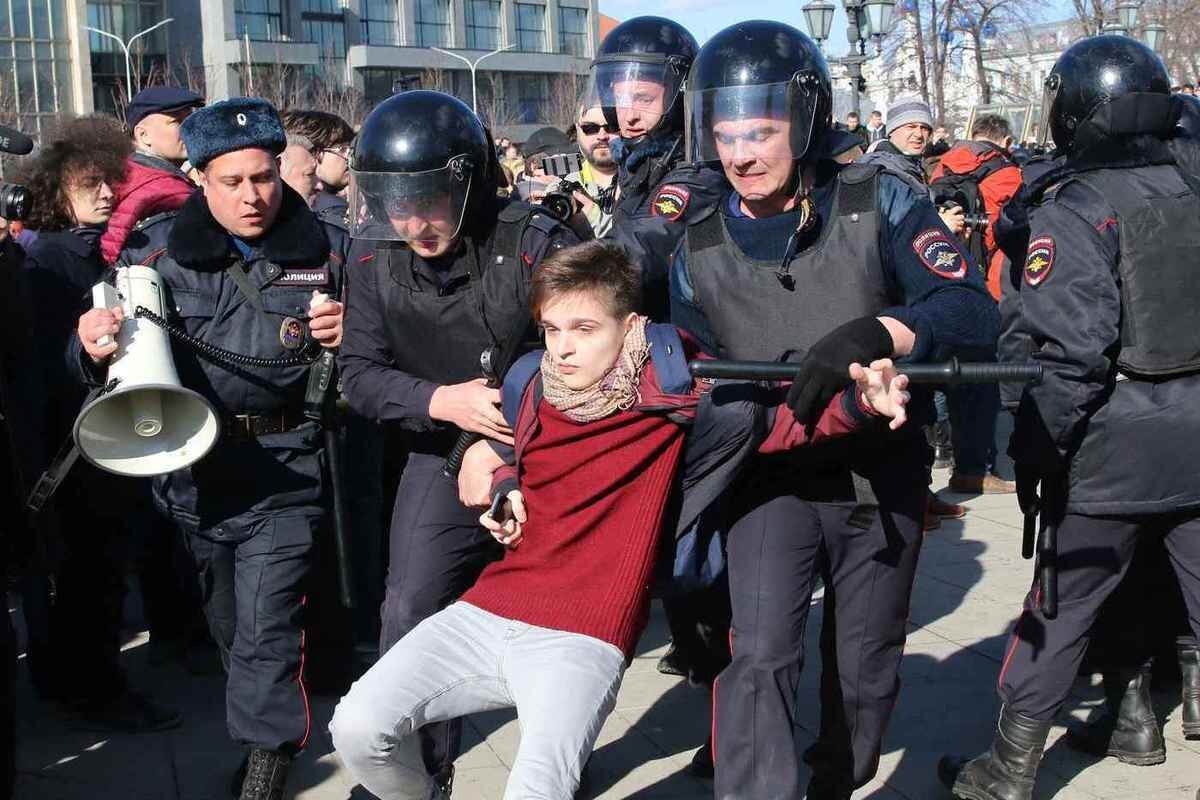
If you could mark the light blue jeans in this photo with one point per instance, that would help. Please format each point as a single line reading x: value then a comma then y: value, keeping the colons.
x: 463, y: 660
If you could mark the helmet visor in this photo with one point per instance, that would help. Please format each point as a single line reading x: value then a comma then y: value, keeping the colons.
x: 640, y: 92
x: 1046, y: 113
x: 409, y: 206
x: 769, y: 123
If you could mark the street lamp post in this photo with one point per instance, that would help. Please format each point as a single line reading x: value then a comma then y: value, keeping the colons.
x: 1127, y: 24
x: 866, y: 19
x: 125, y: 45
x: 472, y: 65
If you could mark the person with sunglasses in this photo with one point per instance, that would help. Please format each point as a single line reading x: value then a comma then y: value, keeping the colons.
x: 594, y: 135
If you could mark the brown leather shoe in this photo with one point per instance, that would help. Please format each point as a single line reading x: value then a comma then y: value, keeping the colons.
x: 940, y: 508
x: 981, y: 484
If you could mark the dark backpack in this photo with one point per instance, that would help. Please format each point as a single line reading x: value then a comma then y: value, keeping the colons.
x: 953, y: 188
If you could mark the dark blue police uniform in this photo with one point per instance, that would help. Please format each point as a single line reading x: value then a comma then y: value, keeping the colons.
x: 1118, y: 440
x: 658, y: 197
x: 750, y: 289
x: 250, y: 508
x: 412, y: 326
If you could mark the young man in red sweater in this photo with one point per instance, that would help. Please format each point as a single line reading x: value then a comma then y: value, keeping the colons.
x: 600, y: 420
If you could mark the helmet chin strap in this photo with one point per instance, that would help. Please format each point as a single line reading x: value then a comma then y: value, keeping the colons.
x: 808, y: 220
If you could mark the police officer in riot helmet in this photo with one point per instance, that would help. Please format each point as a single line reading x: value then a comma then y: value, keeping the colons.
x: 1107, y: 293
x: 637, y: 79
x: 826, y: 264
x: 439, y: 273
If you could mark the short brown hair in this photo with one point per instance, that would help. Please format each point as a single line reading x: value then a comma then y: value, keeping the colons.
x: 991, y: 126
x: 323, y: 129
x: 589, y: 267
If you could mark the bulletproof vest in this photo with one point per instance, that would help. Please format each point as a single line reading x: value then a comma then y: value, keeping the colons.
x: 1158, y: 271
x: 837, y: 279
x: 440, y: 336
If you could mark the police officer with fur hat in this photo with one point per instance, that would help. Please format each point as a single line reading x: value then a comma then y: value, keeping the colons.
x: 248, y: 271
x: 830, y: 264
x: 637, y: 78
x: 1107, y: 298
x: 438, y: 274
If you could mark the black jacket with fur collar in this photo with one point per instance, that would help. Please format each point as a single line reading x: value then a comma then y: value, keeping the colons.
x: 193, y: 254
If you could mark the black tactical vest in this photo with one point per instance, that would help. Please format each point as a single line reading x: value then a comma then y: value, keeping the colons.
x: 837, y: 279
x: 439, y: 336
x: 1158, y: 272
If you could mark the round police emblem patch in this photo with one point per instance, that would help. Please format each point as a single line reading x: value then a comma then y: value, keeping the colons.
x: 1039, y: 261
x: 938, y: 254
x: 291, y: 333
x: 670, y: 202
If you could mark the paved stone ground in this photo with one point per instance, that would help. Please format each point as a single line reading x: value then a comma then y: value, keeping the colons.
x: 971, y: 582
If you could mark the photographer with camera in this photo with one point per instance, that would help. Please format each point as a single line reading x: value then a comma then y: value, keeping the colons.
x: 979, y: 177
x: 595, y: 134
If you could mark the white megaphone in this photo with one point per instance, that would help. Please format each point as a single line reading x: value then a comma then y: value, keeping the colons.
x: 148, y: 424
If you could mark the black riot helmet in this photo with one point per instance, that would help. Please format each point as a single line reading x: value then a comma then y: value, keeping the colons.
x: 419, y: 153
x: 1106, y: 86
x: 758, y: 70
x: 636, y: 58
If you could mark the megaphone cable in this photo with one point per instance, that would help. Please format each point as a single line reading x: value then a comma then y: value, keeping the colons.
x: 306, y: 356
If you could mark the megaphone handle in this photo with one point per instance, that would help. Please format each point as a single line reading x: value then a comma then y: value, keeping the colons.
x: 105, y: 296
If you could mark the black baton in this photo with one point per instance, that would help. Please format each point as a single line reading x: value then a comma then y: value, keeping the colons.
x: 320, y: 406
x: 945, y: 372
x: 1047, y: 563
x: 1029, y: 534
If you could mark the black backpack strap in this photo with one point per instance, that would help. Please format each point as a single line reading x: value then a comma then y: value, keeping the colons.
x: 670, y: 362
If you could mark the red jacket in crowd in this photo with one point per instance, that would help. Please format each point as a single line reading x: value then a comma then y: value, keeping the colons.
x: 997, y: 187
x: 152, y: 185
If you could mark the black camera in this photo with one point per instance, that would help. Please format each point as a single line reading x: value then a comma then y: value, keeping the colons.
x: 15, y: 201
x: 561, y: 202
x: 976, y: 221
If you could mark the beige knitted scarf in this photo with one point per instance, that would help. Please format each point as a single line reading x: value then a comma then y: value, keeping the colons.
x: 616, y: 391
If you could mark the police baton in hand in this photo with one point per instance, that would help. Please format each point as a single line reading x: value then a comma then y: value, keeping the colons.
x: 320, y: 405
x: 944, y: 373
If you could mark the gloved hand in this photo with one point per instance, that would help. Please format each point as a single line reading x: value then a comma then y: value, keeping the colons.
x: 824, y: 370
x: 1028, y: 478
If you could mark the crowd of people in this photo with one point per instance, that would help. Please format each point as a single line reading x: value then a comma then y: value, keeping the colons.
x: 512, y: 326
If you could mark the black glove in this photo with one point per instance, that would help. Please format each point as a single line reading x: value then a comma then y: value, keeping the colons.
x: 1028, y: 478
x: 824, y: 370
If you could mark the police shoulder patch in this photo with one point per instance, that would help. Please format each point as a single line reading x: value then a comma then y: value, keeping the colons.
x: 1039, y: 261
x: 670, y: 202
x: 938, y: 253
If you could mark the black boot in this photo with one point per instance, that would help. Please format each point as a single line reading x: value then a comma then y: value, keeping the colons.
x: 1189, y: 665
x: 266, y: 774
x: 702, y: 762
x: 674, y: 662
x: 1008, y: 770
x: 1129, y: 731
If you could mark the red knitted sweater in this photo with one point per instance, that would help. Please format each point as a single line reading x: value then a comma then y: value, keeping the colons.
x: 596, y: 495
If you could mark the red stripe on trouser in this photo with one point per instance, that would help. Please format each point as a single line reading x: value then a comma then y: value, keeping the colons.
x: 1032, y: 601
x: 713, y: 729
x: 300, y: 683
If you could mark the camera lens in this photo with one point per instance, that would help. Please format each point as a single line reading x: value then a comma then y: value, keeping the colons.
x: 15, y: 201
